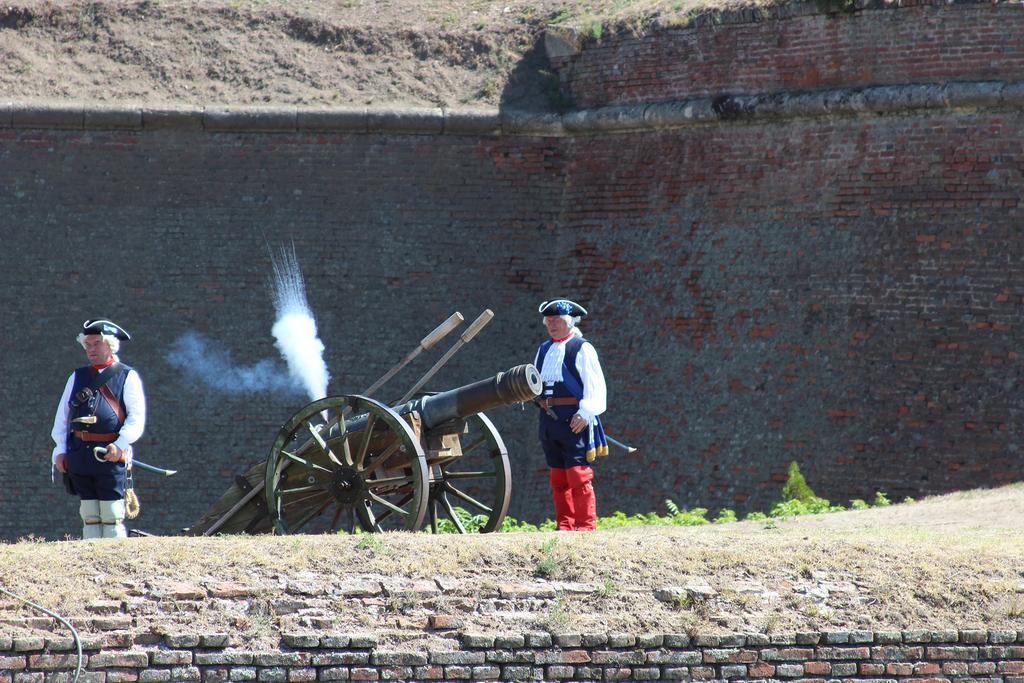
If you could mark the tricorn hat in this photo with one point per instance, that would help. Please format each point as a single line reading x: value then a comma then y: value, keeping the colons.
x: 102, y: 326
x: 562, y: 307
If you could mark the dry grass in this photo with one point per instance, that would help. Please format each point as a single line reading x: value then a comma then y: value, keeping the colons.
x: 952, y: 561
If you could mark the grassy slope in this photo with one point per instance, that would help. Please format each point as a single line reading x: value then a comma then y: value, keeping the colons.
x: 952, y: 561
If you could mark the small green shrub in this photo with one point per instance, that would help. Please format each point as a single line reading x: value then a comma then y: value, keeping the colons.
x: 607, y: 588
x: 558, y: 614
x: 794, y: 508
x: 676, y: 517
x: 548, y: 566
x: 470, y: 522
x: 725, y: 516
x: 490, y: 87
x: 682, y: 600
x: 796, y: 487
x: 371, y: 543
x: 560, y: 17
x: 881, y: 500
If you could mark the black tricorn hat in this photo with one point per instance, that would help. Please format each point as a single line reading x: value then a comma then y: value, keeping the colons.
x: 102, y: 326
x: 562, y: 307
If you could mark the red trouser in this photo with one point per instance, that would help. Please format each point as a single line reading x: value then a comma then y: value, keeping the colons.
x: 575, y: 504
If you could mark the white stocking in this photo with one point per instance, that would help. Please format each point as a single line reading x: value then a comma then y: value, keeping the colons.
x: 112, y: 514
x: 89, y: 511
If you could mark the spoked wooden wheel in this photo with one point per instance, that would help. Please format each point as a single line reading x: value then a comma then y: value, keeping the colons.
x: 479, y: 480
x: 343, y: 462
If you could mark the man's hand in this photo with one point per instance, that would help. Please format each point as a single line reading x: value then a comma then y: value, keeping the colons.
x: 61, y: 463
x: 577, y: 424
x: 114, y: 454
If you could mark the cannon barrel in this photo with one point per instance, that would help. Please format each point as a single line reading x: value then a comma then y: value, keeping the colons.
x: 521, y: 383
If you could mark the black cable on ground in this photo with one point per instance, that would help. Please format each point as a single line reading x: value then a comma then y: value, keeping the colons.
x: 74, y: 633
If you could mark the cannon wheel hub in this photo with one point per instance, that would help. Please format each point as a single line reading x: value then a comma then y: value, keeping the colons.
x: 348, y: 486
x: 353, y: 454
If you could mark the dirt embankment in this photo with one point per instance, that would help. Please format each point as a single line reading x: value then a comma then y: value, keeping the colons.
x: 355, y: 53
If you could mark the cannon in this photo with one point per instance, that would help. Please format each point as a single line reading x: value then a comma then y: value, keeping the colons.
x: 351, y: 462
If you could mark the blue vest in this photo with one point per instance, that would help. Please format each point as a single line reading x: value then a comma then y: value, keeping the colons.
x: 571, y: 384
x: 80, y: 456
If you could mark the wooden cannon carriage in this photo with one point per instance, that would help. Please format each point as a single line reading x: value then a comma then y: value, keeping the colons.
x: 352, y: 462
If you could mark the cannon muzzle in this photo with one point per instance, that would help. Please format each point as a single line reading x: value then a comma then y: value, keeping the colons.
x: 521, y: 383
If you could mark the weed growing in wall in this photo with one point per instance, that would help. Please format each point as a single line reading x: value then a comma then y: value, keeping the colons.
x: 548, y: 566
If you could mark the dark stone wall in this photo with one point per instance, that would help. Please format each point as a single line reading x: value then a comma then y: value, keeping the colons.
x: 168, y: 233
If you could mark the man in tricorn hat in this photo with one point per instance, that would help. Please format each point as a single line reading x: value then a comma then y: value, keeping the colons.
x: 103, y: 405
x: 570, y: 429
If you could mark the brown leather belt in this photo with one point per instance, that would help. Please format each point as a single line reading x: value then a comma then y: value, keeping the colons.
x: 562, y: 401
x: 90, y: 436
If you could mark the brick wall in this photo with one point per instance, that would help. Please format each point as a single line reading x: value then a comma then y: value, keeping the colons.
x: 840, y: 288
x: 938, y: 656
x: 168, y: 232
x: 846, y: 294
x: 794, y: 47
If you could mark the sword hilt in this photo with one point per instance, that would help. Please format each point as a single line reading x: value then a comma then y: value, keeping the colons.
x: 547, y: 409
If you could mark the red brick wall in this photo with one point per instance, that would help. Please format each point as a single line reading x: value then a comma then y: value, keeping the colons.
x: 795, y: 48
x: 913, y: 656
x: 846, y: 294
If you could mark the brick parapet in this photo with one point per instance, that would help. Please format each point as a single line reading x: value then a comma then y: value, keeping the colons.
x: 793, y: 46
x: 888, y: 655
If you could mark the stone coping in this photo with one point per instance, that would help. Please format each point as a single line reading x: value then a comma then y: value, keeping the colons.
x: 472, y: 640
x: 789, y: 9
x: 839, y: 102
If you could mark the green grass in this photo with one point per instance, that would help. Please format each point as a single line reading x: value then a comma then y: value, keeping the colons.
x: 694, y: 517
x: 797, y: 499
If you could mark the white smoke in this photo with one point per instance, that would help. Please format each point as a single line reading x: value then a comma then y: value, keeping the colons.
x: 201, y: 360
x: 295, y: 327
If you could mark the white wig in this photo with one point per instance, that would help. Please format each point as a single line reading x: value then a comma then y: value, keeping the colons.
x: 113, y: 343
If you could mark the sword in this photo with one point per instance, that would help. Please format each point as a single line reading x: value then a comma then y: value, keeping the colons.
x: 101, y: 450
x: 613, y: 440
x: 158, y: 470
x: 610, y: 439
